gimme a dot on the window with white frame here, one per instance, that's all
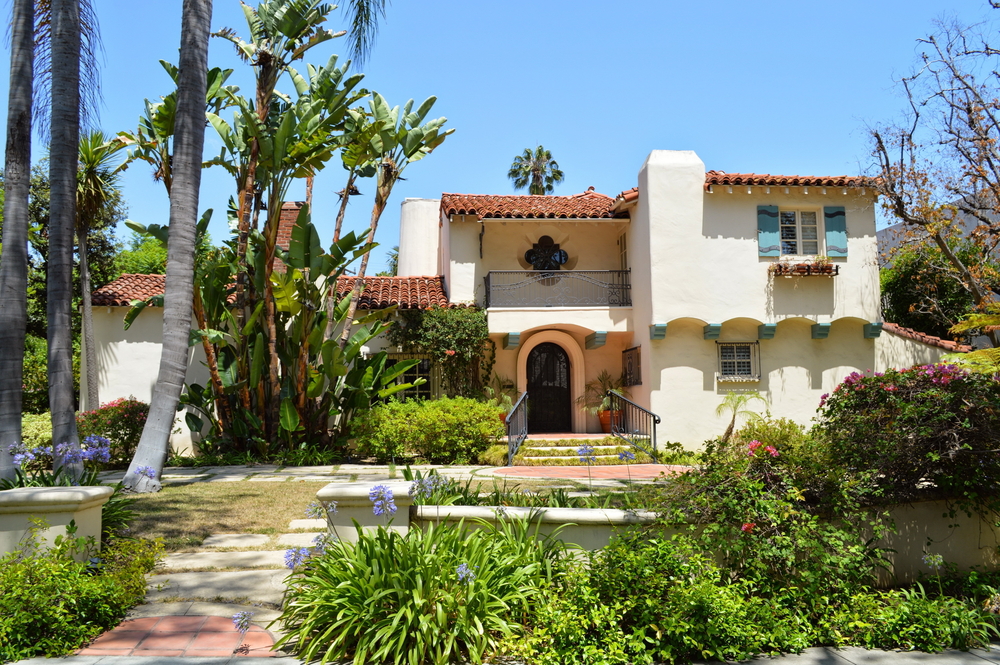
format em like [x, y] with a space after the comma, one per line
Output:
[738, 361]
[425, 369]
[800, 232]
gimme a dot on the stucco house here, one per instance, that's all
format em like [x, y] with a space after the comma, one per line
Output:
[692, 284]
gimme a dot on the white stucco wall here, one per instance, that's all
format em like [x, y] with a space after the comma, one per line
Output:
[129, 361]
[590, 244]
[419, 237]
[894, 352]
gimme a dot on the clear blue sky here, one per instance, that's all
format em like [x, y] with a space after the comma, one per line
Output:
[778, 86]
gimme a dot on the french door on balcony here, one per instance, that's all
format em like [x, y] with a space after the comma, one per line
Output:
[549, 399]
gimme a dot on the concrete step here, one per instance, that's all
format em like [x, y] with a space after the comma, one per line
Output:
[244, 587]
[211, 560]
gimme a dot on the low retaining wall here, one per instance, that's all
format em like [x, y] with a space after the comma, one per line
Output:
[921, 528]
[925, 528]
[57, 506]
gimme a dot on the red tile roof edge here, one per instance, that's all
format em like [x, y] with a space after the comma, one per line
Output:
[767, 179]
[924, 338]
[585, 205]
[412, 292]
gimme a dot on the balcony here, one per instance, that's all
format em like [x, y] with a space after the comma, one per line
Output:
[559, 288]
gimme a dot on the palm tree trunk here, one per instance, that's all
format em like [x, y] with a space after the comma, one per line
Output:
[93, 396]
[178, 291]
[331, 299]
[63, 152]
[388, 173]
[14, 257]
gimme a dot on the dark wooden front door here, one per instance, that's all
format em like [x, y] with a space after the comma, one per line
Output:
[549, 408]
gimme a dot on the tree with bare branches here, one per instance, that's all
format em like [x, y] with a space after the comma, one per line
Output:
[940, 169]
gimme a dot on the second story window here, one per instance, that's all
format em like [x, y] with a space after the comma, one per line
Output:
[623, 252]
[799, 232]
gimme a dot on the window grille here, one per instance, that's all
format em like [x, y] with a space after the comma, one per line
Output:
[739, 361]
[631, 367]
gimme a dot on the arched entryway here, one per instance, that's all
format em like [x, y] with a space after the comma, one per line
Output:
[550, 407]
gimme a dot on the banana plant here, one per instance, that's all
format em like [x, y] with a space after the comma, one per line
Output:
[402, 136]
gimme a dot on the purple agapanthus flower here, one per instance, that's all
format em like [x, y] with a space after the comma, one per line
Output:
[147, 471]
[242, 621]
[465, 574]
[383, 502]
[295, 556]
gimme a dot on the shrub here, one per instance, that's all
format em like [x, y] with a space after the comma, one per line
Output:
[121, 421]
[457, 340]
[443, 430]
[441, 595]
[51, 604]
[35, 378]
[927, 430]
[36, 429]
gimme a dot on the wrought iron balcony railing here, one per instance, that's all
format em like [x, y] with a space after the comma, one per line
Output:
[558, 288]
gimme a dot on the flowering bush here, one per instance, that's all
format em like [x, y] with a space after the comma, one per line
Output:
[926, 430]
[121, 421]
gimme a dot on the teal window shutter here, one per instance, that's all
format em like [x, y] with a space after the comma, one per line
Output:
[767, 231]
[835, 220]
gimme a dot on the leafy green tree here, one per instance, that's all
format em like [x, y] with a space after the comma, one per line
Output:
[141, 255]
[920, 291]
[535, 170]
[736, 405]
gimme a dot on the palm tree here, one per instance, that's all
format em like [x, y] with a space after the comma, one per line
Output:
[14, 257]
[63, 148]
[736, 404]
[535, 170]
[97, 180]
[189, 141]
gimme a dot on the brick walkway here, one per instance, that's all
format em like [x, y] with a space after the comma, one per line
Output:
[207, 637]
[616, 472]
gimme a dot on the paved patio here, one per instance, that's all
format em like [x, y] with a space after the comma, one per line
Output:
[181, 636]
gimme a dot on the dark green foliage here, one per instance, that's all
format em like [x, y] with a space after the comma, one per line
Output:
[447, 430]
[35, 396]
[141, 256]
[438, 595]
[51, 604]
[923, 432]
[121, 421]
[922, 291]
[457, 339]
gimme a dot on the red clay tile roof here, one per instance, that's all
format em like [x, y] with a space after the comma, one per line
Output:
[128, 287]
[930, 340]
[588, 205]
[379, 293]
[766, 179]
[406, 292]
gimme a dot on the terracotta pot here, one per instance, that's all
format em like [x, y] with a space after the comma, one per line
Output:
[605, 418]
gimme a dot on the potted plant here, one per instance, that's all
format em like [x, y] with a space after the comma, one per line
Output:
[595, 398]
[500, 393]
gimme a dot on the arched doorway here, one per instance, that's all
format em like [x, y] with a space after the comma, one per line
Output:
[549, 399]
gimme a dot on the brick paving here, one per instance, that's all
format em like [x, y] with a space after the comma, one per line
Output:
[190, 636]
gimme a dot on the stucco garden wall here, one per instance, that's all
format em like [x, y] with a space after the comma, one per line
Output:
[894, 352]
[129, 361]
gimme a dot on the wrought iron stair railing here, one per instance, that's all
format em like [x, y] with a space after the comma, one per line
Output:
[517, 427]
[633, 424]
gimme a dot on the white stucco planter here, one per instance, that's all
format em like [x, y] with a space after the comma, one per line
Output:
[58, 506]
[587, 528]
[353, 505]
